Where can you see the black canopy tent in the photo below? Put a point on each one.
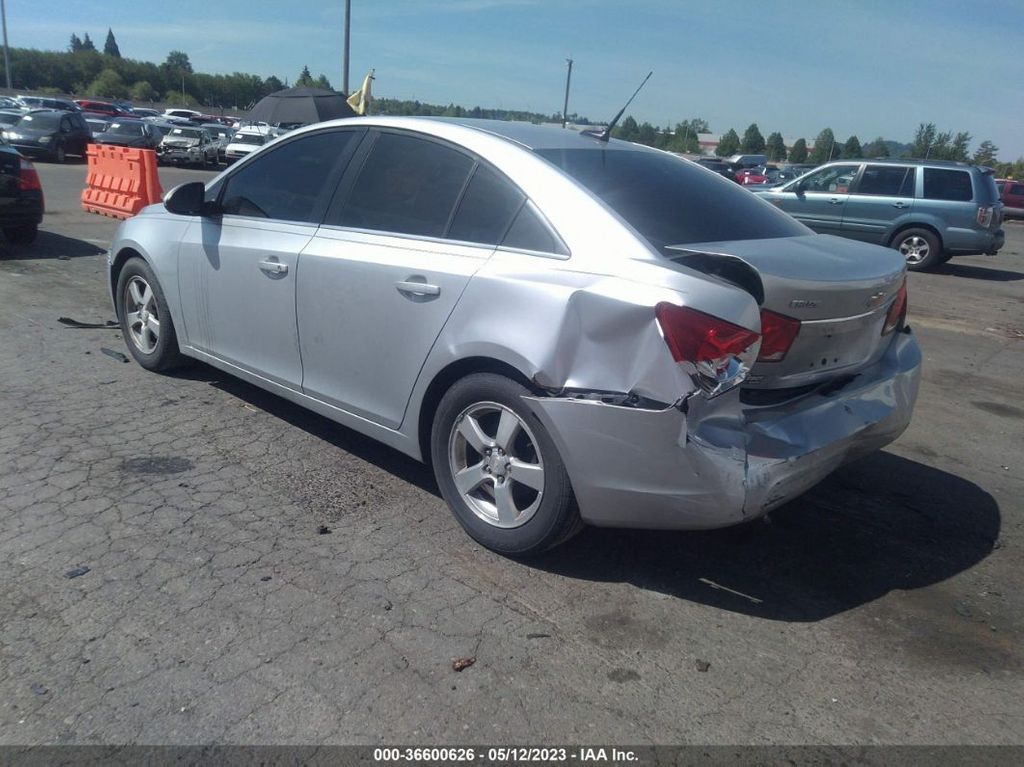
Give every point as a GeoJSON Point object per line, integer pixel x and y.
{"type": "Point", "coordinates": [301, 105]}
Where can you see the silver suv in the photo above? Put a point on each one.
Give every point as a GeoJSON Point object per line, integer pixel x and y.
{"type": "Point", "coordinates": [928, 210]}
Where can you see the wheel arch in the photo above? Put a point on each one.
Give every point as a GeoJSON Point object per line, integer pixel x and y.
{"type": "Point", "coordinates": [117, 264]}
{"type": "Point", "coordinates": [445, 378]}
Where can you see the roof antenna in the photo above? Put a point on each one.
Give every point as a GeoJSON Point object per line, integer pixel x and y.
{"type": "Point", "coordinates": [607, 132]}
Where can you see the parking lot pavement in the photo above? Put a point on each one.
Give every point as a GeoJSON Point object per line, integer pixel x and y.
{"type": "Point", "coordinates": [186, 559]}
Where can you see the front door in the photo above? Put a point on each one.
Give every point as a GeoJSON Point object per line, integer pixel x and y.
{"type": "Point", "coordinates": [821, 197]}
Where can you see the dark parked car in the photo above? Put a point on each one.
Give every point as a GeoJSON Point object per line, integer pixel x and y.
{"type": "Point", "coordinates": [21, 196]}
{"type": "Point", "coordinates": [133, 133]}
{"type": "Point", "coordinates": [10, 116]}
{"type": "Point", "coordinates": [718, 166]}
{"type": "Point", "coordinates": [1012, 194]}
{"type": "Point", "coordinates": [50, 134]}
{"type": "Point", "coordinates": [929, 210]}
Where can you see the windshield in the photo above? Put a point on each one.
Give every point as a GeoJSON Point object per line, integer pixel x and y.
{"type": "Point", "coordinates": [127, 129]}
{"type": "Point", "coordinates": [670, 201]}
{"type": "Point", "coordinates": [248, 138]}
{"type": "Point", "coordinates": [40, 122]}
{"type": "Point", "coordinates": [186, 133]}
{"type": "Point", "coordinates": [9, 119]}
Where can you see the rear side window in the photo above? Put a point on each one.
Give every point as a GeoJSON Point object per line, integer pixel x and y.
{"type": "Point", "coordinates": [407, 185]}
{"type": "Point", "coordinates": [887, 180]}
{"type": "Point", "coordinates": [529, 232]}
{"type": "Point", "coordinates": [942, 184]}
{"type": "Point", "coordinates": [288, 183]}
{"type": "Point", "coordinates": [1017, 189]}
{"type": "Point", "coordinates": [487, 208]}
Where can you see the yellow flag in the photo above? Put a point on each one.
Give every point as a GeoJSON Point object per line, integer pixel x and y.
{"type": "Point", "coordinates": [360, 100]}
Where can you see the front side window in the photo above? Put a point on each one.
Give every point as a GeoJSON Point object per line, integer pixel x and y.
{"type": "Point", "coordinates": [835, 179]}
{"type": "Point", "coordinates": [889, 180]}
{"type": "Point", "coordinates": [942, 184]}
{"type": "Point", "coordinates": [288, 183]}
{"type": "Point", "coordinates": [407, 185]}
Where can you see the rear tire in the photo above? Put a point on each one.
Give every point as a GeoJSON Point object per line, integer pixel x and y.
{"type": "Point", "coordinates": [499, 469]}
{"type": "Point", "coordinates": [60, 154]}
{"type": "Point", "coordinates": [21, 235]}
{"type": "Point", "coordinates": [920, 247]}
{"type": "Point", "coordinates": [145, 319]}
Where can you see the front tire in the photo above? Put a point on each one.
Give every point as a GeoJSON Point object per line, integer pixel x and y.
{"type": "Point", "coordinates": [145, 319]}
{"type": "Point", "coordinates": [499, 469]}
{"type": "Point", "coordinates": [920, 247]}
{"type": "Point", "coordinates": [60, 154]}
{"type": "Point", "coordinates": [21, 235]}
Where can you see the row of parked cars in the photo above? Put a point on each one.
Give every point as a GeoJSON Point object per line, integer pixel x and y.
{"type": "Point", "coordinates": [53, 129]}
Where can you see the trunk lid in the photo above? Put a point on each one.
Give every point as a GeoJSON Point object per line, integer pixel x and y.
{"type": "Point", "coordinates": [839, 290]}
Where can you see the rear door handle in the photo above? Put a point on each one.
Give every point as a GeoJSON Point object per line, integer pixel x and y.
{"type": "Point", "coordinates": [273, 267]}
{"type": "Point", "coordinates": [418, 288]}
{"type": "Point", "coordinates": [900, 205]}
{"type": "Point", "coordinates": [835, 201]}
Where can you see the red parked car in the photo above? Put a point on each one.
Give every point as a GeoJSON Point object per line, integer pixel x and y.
{"type": "Point", "coordinates": [104, 108]}
{"type": "Point", "coordinates": [1012, 194]}
{"type": "Point", "coordinates": [748, 176]}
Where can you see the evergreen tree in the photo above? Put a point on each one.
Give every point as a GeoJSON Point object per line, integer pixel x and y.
{"type": "Point", "coordinates": [877, 148]}
{"type": "Point", "coordinates": [76, 43]}
{"type": "Point", "coordinates": [986, 153]}
{"type": "Point", "coordinates": [775, 147]}
{"type": "Point", "coordinates": [729, 144]}
{"type": "Point", "coordinates": [824, 147]}
{"type": "Point", "coordinates": [753, 141]}
{"type": "Point", "coordinates": [87, 43]}
{"type": "Point", "coordinates": [323, 82]}
{"type": "Point", "coordinates": [924, 139]}
{"type": "Point", "coordinates": [798, 152]}
{"type": "Point", "coordinates": [110, 46]}
{"type": "Point", "coordinates": [852, 149]}
{"type": "Point", "coordinates": [305, 79]}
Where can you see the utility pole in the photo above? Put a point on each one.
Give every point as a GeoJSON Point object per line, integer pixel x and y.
{"type": "Point", "coordinates": [565, 107]}
{"type": "Point", "coordinates": [7, 56]}
{"type": "Point", "coordinates": [344, 77]}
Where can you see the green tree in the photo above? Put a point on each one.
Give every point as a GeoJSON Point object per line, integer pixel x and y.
{"type": "Point", "coordinates": [76, 43]}
{"type": "Point", "coordinates": [798, 152]}
{"type": "Point", "coordinates": [729, 144]}
{"type": "Point", "coordinates": [684, 139]}
{"type": "Point", "coordinates": [272, 85]}
{"type": "Point", "coordinates": [323, 82]}
{"type": "Point", "coordinates": [143, 91]}
{"type": "Point", "coordinates": [877, 148]}
{"type": "Point", "coordinates": [305, 79]}
{"type": "Point", "coordinates": [177, 63]}
{"type": "Point", "coordinates": [87, 43]}
{"type": "Point", "coordinates": [775, 147]}
{"type": "Point", "coordinates": [627, 130]}
{"type": "Point", "coordinates": [753, 141]}
{"type": "Point", "coordinates": [986, 153]}
{"type": "Point", "coordinates": [958, 149]}
{"type": "Point", "coordinates": [924, 138]}
{"type": "Point", "coordinates": [110, 46]}
{"type": "Point", "coordinates": [824, 147]}
{"type": "Point", "coordinates": [852, 149]}
{"type": "Point", "coordinates": [108, 84]}
{"type": "Point", "coordinates": [174, 96]}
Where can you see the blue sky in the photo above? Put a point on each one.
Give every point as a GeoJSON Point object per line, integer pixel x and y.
{"type": "Point", "coordinates": [864, 67]}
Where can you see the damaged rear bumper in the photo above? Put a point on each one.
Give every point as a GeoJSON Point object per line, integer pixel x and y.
{"type": "Point", "coordinates": [721, 464]}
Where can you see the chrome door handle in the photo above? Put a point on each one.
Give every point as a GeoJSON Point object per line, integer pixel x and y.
{"type": "Point", "coordinates": [835, 201]}
{"type": "Point", "coordinates": [418, 288]}
{"type": "Point", "coordinates": [274, 267]}
{"type": "Point", "coordinates": [900, 205]}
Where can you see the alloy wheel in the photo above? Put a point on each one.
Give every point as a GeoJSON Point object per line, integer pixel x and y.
{"type": "Point", "coordinates": [142, 315]}
{"type": "Point", "coordinates": [915, 249]}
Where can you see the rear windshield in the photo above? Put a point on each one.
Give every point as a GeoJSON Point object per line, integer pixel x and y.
{"type": "Point", "coordinates": [40, 122]}
{"type": "Point", "coordinates": [670, 201]}
{"type": "Point", "coordinates": [127, 129]}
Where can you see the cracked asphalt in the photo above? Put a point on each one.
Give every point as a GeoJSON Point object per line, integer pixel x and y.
{"type": "Point", "coordinates": [186, 559]}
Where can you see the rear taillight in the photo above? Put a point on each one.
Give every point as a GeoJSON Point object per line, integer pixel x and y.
{"type": "Point", "coordinates": [778, 333]}
{"type": "Point", "coordinates": [28, 179]}
{"type": "Point", "coordinates": [897, 311]}
{"type": "Point", "coordinates": [694, 336]}
{"type": "Point", "coordinates": [985, 215]}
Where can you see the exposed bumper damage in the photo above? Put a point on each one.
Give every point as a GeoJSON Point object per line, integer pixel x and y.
{"type": "Point", "coordinates": [714, 463]}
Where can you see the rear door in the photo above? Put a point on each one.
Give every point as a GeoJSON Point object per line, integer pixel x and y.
{"type": "Point", "coordinates": [883, 194]}
{"type": "Point", "coordinates": [822, 197]}
{"type": "Point", "coordinates": [409, 226]}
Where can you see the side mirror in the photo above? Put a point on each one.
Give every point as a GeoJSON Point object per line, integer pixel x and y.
{"type": "Point", "coordinates": [189, 200]}
{"type": "Point", "coordinates": [800, 187]}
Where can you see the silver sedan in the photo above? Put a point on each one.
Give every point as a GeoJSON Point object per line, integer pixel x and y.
{"type": "Point", "coordinates": [571, 330]}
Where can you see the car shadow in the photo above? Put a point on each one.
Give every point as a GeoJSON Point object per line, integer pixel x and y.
{"type": "Point", "coordinates": [979, 272]}
{"type": "Point", "coordinates": [880, 524]}
{"type": "Point", "coordinates": [49, 245]}
{"type": "Point", "coordinates": [367, 449]}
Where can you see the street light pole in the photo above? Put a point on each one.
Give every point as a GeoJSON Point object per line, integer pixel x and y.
{"type": "Point", "coordinates": [344, 78]}
{"type": "Point", "coordinates": [565, 107]}
{"type": "Point", "coordinates": [7, 56]}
